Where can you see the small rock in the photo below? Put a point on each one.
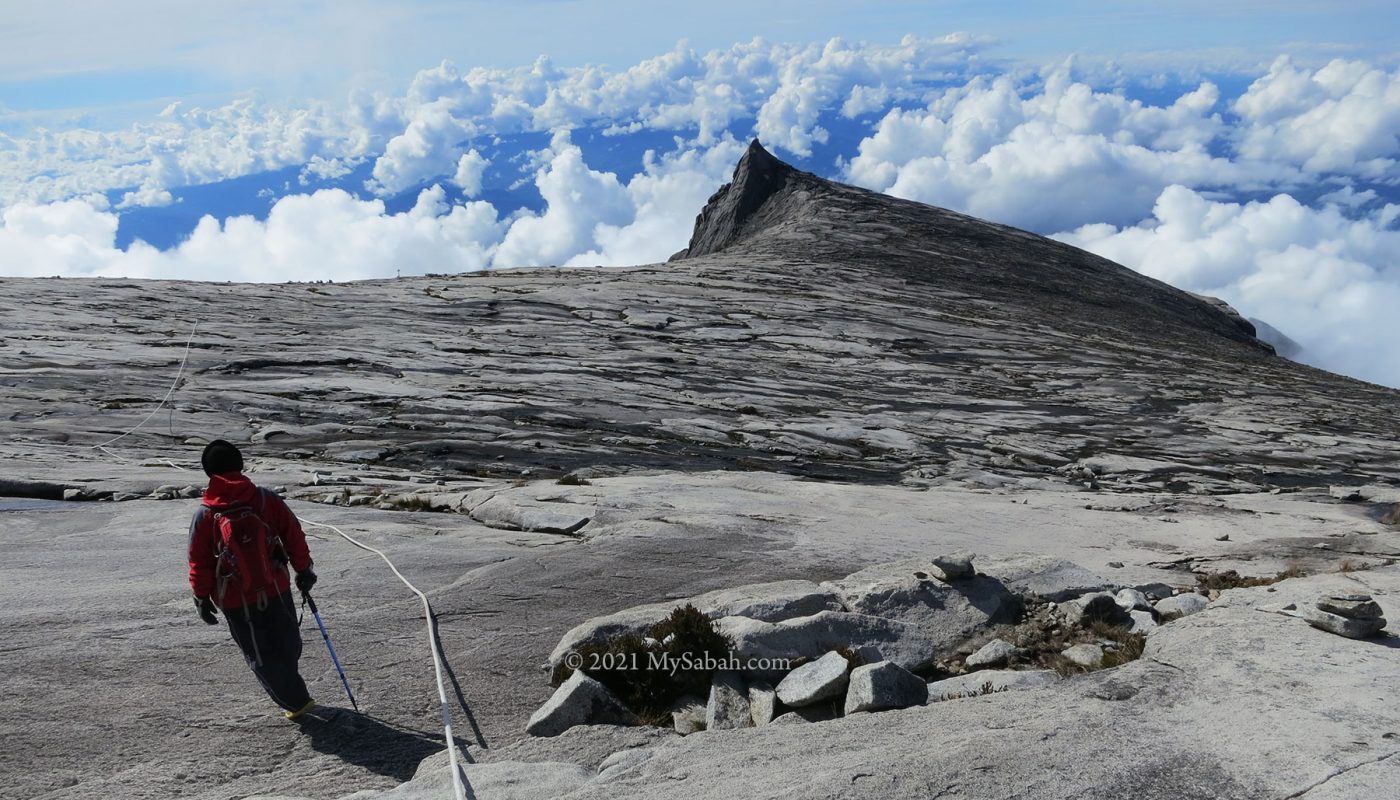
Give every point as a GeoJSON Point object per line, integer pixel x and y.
{"type": "Point", "coordinates": [75, 494]}
{"type": "Point", "coordinates": [1155, 591]}
{"type": "Point", "coordinates": [995, 653]}
{"type": "Point", "coordinates": [1115, 565]}
{"type": "Point", "coordinates": [191, 492]}
{"type": "Point", "coordinates": [121, 497]}
{"type": "Point", "coordinates": [729, 703]}
{"type": "Point", "coordinates": [882, 686]}
{"type": "Point", "coordinates": [579, 700]}
{"type": "Point", "coordinates": [1351, 606]}
{"type": "Point", "coordinates": [688, 715]}
{"type": "Point", "coordinates": [1183, 604]}
{"type": "Point", "coordinates": [763, 701]}
{"type": "Point", "coordinates": [1100, 606]}
{"type": "Point", "coordinates": [1350, 628]}
{"type": "Point", "coordinates": [1143, 621]}
{"type": "Point", "coordinates": [1089, 656]}
{"type": "Point", "coordinates": [1129, 599]}
{"type": "Point", "coordinates": [1224, 537]}
{"type": "Point", "coordinates": [955, 567]}
{"type": "Point", "coordinates": [826, 677]}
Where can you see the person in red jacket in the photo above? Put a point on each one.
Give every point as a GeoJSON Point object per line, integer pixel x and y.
{"type": "Point", "coordinates": [241, 540]}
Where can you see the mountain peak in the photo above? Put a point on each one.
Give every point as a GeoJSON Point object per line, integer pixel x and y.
{"type": "Point", "coordinates": [727, 215]}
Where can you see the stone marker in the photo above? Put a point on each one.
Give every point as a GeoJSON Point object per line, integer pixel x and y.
{"type": "Point", "coordinates": [882, 686]}
{"type": "Point", "coordinates": [579, 700]}
{"type": "Point", "coordinates": [1355, 616]}
{"type": "Point", "coordinates": [821, 679]}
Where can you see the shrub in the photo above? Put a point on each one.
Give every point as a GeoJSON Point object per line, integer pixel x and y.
{"type": "Point", "coordinates": [1230, 579]}
{"type": "Point", "coordinates": [573, 480]}
{"type": "Point", "coordinates": [635, 667]}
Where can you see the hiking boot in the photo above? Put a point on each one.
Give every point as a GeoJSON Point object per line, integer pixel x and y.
{"type": "Point", "coordinates": [310, 704]}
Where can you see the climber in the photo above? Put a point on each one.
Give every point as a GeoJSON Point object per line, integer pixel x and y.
{"type": "Point", "coordinates": [241, 541]}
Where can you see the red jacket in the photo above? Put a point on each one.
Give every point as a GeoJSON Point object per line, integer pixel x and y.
{"type": "Point", "coordinates": [234, 489]}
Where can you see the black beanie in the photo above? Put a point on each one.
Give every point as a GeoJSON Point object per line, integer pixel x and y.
{"type": "Point", "coordinates": [220, 457]}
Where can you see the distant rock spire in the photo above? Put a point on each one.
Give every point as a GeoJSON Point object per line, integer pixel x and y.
{"type": "Point", "coordinates": [758, 177]}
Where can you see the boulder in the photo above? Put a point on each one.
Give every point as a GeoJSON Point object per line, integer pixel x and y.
{"type": "Point", "coordinates": [763, 701]}
{"type": "Point", "coordinates": [729, 703]}
{"type": "Point", "coordinates": [815, 681]}
{"type": "Point", "coordinates": [996, 653]}
{"type": "Point", "coordinates": [1342, 626]}
{"type": "Point", "coordinates": [1051, 578]}
{"type": "Point", "coordinates": [1155, 591]}
{"type": "Point", "coordinates": [1143, 621]}
{"type": "Point", "coordinates": [501, 511]}
{"type": "Point", "coordinates": [997, 680]}
{"type": "Point", "coordinates": [688, 715]}
{"type": "Point", "coordinates": [1132, 599]}
{"type": "Point", "coordinates": [873, 638]}
{"type": "Point", "coordinates": [580, 700]}
{"type": "Point", "coordinates": [1351, 606]}
{"type": "Point", "coordinates": [1088, 656]}
{"type": "Point", "coordinates": [882, 686]}
{"type": "Point", "coordinates": [1183, 604]}
{"type": "Point", "coordinates": [955, 567]}
{"type": "Point", "coordinates": [911, 591]}
{"type": "Point", "coordinates": [770, 602]}
{"type": "Point", "coordinates": [1096, 607]}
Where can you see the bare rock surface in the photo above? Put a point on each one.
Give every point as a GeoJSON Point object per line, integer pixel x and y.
{"type": "Point", "coordinates": [737, 416]}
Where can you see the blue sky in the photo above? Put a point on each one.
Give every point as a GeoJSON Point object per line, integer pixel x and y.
{"type": "Point", "coordinates": [1246, 150]}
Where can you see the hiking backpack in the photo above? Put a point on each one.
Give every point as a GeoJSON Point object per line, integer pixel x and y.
{"type": "Point", "coordinates": [248, 554]}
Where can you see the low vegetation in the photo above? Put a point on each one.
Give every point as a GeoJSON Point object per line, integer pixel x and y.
{"type": "Point", "coordinates": [1230, 579]}
{"type": "Point", "coordinates": [635, 667]}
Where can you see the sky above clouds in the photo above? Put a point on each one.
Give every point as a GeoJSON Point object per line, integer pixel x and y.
{"type": "Point", "coordinates": [1246, 150]}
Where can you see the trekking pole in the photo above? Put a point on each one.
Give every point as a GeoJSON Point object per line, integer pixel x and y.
{"type": "Point", "coordinates": [327, 639]}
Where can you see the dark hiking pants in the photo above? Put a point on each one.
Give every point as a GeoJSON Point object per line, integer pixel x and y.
{"type": "Point", "coordinates": [271, 643]}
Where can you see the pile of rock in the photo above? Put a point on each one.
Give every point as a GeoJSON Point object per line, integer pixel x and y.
{"type": "Point", "coordinates": [855, 644]}
{"type": "Point", "coordinates": [1355, 616]}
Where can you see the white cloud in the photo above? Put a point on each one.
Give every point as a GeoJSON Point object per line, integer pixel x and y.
{"type": "Point", "coordinates": [470, 169]}
{"type": "Point", "coordinates": [666, 196]}
{"type": "Point", "coordinates": [1329, 282]}
{"type": "Point", "coordinates": [1344, 117]}
{"type": "Point", "coordinates": [429, 147]}
{"type": "Point", "coordinates": [577, 200]}
{"type": "Point", "coordinates": [325, 235]}
{"type": "Point", "coordinates": [1046, 159]}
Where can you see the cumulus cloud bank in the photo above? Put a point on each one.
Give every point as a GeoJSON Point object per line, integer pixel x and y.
{"type": "Point", "coordinates": [1275, 199]}
{"type": "Point", "coordinates": [1329, 282]}
{"type": "Point", "coordinates": [590, 218]}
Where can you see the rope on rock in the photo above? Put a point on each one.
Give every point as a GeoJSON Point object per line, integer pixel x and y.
{"type": "Point", "coordinates": [434, 644]}
{"type": "Point", "coordinates": [174, 384]}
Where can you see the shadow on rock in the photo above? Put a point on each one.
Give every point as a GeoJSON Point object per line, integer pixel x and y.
{"type": "Point", "coordinates": [372, 744]}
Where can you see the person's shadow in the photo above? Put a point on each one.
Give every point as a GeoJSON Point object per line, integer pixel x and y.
{"type": "Point", "coordinates": [372, 744]}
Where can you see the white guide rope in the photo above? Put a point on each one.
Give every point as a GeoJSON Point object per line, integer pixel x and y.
{"type": "Point", "coordinates": [173, 386]}
{"type": "Point", "coordinates": [434, 644]}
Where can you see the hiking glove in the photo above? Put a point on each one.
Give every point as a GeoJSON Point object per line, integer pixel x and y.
{"type": "Point", "coordinates": [206, 610]}
{"type": "Point", "coordinates": [305, 580]}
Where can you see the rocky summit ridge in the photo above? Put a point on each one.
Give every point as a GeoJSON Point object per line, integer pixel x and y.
{"type": "Point", "coordinates": [810, 329]}
{"type": "Point", "coordinates": [795, 423]}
